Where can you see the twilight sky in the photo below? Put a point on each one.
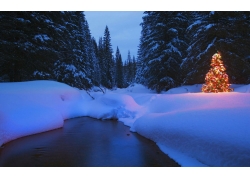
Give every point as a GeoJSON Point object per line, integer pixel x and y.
{"type": "Point", "coordinates": [124, 28]}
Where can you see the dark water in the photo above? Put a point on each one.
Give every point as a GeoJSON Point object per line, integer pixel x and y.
{"type": "Point", "coordinates": [84, 142]}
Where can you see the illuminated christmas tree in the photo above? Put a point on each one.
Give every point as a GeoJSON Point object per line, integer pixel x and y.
{"type": "Point", "coordinates": [216, 79]}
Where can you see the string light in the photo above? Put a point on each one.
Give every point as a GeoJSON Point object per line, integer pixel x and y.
{"type": "Point", "coordinates": [216, 79]}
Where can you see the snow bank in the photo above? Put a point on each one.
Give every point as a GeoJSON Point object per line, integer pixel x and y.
{"type": "Point", "coordinates": [185, 89]}
{"type": "Point", "coordinates": [32, 107]}
{"type": "Point", "coordinates": [112, 106]}
{"type": "Point", "coordinates": [242, 88]}
{"type": "Point", "coordinates": [194, 128]}
{"type": "Point", "coordinates": [211, 128]}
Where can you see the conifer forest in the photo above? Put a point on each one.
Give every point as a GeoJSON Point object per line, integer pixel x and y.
{"type": "Point", "coordinates": [175, 49]}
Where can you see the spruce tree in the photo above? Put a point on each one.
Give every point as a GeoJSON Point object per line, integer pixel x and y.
{"type": "Point", "coordinates": [74, 66]}
{"type": "Point", "coordinates": [119, 69]}
{"type": "Point", "coordinates": [96, 64]}
{"type": "Point", "coordinates": [46, 45]}
{"type": "Point", "coordinates": [108, 61]}
{"type": "Point", "coordinates": [48, 39]}
{"type": "Point", "coordinates": [14, 45]}
{"type": "Point", "coordinates": [210, 31]}
{"type": "Point", "coordinates": [101, 61]}
{"type": "Point", "coordinates": [162, 48]}
{"type": "Point", "coordinates": [216, 79]}
{"type": "Point", "coordinates": [29, 44]}
{"type": "Point", "coordinates": [129, 70]}
{"type": "Point", "coordinates": [133, 69]}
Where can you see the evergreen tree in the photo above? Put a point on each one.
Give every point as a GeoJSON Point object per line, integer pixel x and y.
{"type": "Point", "coordinates": [125, 74]}
{"type": "Point", "coordinates": [113, 71]}
{"type": "Point", "coordinates": [101, 61]}
{"type": "Point", "coordinates": [74, 67]}
{"type": "Point", "coordinates": [46, 45]}
{"type": "Point", "coordinates": [13, 45]}
{"type": "Point", "coordinates": [108, 61]}
{"type": "Point", "coordinates": [210, 31]}
{"type": "Point", "coordinates": [26, 45]}
{"type": "Point", "coordinates": [128, 71]}
{"type": "Point", "coordinates": [88, 46]}
{"type": "Point", "coordinates": [175, 48]}
{"type": "Point", "coordinates": [96, 64]}
{"type": "Point", "coordinates": [161, 50]}
{"type": "Point", "coordinates": [216, 79]}
{"type": "Point", "coordinates": [133, 68]}
{"type": "Point", "coordinates": [119, 69]}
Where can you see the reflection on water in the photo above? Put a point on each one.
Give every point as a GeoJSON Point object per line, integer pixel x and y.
{"type": "Point", "coordinates": [84, 142]}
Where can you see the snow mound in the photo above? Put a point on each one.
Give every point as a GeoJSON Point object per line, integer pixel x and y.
{"type": "Point", "coordinates": [185, 89]}
{"type": "Point", "coordinates": [211, 128]}
{"type": "Point", "coordinates": [112, 106]}
{"type": "Point", "coordinates": [139, 88]}
{"type": "Point", "coordinates": [242, 89]}
{"type": "Point", "coordinates": [32, 107]}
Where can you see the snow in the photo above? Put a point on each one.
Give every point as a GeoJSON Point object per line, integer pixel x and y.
{"type": "Point", "coordinates": [193, 128]}
{"type": "Point", "coordinates": [42, 37]}
{"type": "Point", "coordinates": [208, 26]}
{"type": "Point", "coordinates": [70, 67]}
{"type": "Point", "coordinates": [212, 128]}
{"type": "Point", "coordinates": [194, 24]}
{"type": "Point", "coordinates": [32, 107]}
{"type": "Point", "coordinates": [23, 20]}
{"type": "Point", "coordinates": [172, 48]}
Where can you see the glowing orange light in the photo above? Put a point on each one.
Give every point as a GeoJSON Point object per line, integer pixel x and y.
{"type": "Point", "coordinates": [216, 79]}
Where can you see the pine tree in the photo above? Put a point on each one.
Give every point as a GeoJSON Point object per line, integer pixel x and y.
{"type": "Point", "coordinates": [96, 64]}
{"type": "Point", "coordinates": [133, 69]}
{"type": "Point", "coordinates": [29, 44]}
{"type": "Point", "coordinates": [14, 45]}
{"type": "Point", "coordinates": [119, 69]}
{"type": "Point", "coordinates": [88, 48]}
{"type": "Point", "coordinates": [129, 70]}
{"type": "Point", "coordinates": [74, 67]}
{"type": "Point", "coordinates": [216, 79]}
{"type": "Point", "coordinates": [101, 61]}
{"type": "Point", "coordinates": [210, 31]}
{"type": "Point", "coordinates": [162, 48]}
{"type": "Point", "coordinates": [48, 38]}
{"type": "Point", "coordinates": [108, 62]}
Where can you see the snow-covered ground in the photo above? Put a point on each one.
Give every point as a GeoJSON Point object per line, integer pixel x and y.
{"type": "Point", "coordinates": [193, 128]}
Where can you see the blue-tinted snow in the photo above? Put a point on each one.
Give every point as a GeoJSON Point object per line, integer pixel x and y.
{"type": "Point", "coordinates": [42, 37]}
{"type": "Point", "coordinates": [195, 129]}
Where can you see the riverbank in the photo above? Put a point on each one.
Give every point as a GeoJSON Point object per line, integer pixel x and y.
{"type": "Point", "coordinates": [85, 142]}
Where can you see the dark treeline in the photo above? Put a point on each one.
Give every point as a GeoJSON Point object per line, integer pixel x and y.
{"type": "Point", "coordinates": [59, 46]}
{"type": "Point", "coordinates": [175, 49]}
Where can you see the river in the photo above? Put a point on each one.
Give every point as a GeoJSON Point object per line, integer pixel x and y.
{"type": "Point", "coordinates": [84, 142]}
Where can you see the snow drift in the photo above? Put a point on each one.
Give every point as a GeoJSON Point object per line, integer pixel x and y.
{"type": "Point", "coordinates": [212, 128]}
{"type": "Point", "coordinates": [31, 107]}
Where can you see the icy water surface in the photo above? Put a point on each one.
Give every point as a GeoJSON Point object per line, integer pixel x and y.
{"type": "Point", "coordinates": [84, 142]}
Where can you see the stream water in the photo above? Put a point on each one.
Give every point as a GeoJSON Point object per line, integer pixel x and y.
{"type": "Point", "coordinates": [84, 142]}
